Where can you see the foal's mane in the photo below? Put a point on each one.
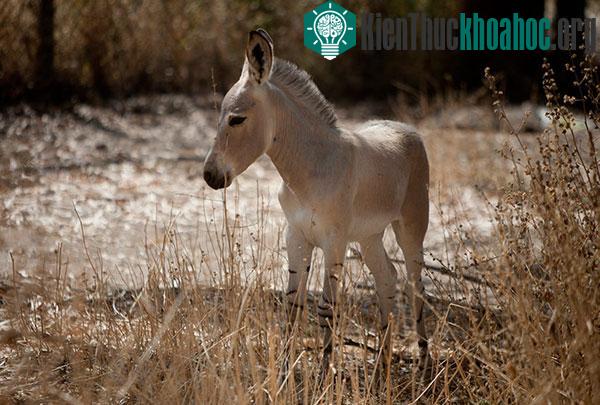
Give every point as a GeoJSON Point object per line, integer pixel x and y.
{"type": "Point", "coordinates": [299, 84]}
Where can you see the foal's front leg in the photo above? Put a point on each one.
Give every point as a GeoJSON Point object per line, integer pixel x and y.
{"type": "Point", "coordinates": [299, 256]}
{"type": "Point", "coordinates": [299, 252]}
{"type": "Point", "coordinates": [334, 264]}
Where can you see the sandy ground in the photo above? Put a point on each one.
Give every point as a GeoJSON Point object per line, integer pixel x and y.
{"type": "Point", "coordinates": [128, 171]}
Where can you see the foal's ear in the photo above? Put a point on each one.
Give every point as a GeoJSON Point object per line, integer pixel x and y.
{"type": "Point", "coordinates": [259, 55]}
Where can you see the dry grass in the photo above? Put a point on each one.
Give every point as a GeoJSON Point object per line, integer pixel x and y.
{"type": "Point", "coordinates": [531, 335]}
{"type": "Point", "coordinates": [116, 48]}
{"type": "Point", "coordinates": [120, 48]}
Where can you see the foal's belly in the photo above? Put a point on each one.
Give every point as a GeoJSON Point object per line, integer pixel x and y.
{"type": "Point", "coordinates": [363, 227]}
{"type": "Point", "coordinates": [318, 231]}
{"type": "Point", "coordinates": [349, 224]}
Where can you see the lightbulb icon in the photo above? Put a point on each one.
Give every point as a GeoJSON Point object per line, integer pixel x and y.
{"type": "Point", "coordinates": [330, 27]}
{"type": "Point", "coordinates": [329, 30]}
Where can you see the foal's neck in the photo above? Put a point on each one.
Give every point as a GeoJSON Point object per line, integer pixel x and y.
{"type": "Point", "coordinates": [302, 145]}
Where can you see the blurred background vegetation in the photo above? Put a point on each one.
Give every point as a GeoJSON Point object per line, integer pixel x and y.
{"type": "Point", "coordinates": [60, 50]}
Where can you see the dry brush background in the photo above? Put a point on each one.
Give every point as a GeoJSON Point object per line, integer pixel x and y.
{"type": "Point", "coordinates": [125, 279]}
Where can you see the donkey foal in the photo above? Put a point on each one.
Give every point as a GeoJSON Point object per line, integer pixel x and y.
{"type": "Point", "coordinates": [338, 186]}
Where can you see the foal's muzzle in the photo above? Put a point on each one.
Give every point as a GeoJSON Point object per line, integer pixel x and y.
{"type": "Point", "coordinates": [215, 179]}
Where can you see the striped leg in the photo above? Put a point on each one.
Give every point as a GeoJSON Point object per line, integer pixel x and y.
{"type": "Point", "coordinates": [385, 276]}
{"type": "Point", "coordinates": [410, 239]}
{"type": "Point", "coordinates": [334, 264]}
{"type": "Point", "coordinates": [299, 257]}
{"type": "Point", "coordinates": [416, 294]}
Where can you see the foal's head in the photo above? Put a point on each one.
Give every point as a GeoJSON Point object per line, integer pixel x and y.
{"type": "Point", "coordinates": [245, 125]}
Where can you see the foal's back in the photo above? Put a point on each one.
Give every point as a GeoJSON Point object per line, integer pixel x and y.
{"type": "Point", "coordinates": [390, 163]}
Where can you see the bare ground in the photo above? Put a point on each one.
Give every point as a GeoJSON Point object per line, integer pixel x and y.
{"type": "Point", "coordinates": [120, 174]}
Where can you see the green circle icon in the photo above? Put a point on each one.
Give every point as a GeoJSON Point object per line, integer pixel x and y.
{"type": "Point", "coordinates": [329, 30]}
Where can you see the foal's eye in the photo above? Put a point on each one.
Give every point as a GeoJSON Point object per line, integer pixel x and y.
{"type": "Point", "coordinates": [236, 120]}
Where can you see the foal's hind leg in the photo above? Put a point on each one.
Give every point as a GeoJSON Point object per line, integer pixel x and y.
{"type": "Point", "coordinates": [410, 232]}
{"type": "Point", "coordinates": [385, 276]}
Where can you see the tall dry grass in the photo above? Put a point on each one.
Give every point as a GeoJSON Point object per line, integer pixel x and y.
{"type": "Point", "coordinates": [118, 48]}
{"type": "Point", "coordinates": [549, 230]}
{"type": "Point", "coordinates": [209, 327]}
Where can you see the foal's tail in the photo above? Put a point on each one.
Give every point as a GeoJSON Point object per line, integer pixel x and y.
{"type": "Point", "coordinates": [415, 209]}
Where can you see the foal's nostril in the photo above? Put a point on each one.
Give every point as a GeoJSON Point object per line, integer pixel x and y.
{"type": "Point", "coordinates": [214, 180]}
{"type": "Point", "coordinates": [208, 177]}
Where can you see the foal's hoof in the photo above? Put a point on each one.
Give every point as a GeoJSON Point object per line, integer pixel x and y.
{"type": "Point", "coordinates": [425, 365]}
{"type": "Point", "coordinates": [382, 375]}
{"type": "Point", "coordinates": [326, 371]}
{"type": "Point", "coordinates": [282, 378]}
{"type": "Point", "coordinates": [425, 362]}
{"type": "Point", "coordinates": [423, 350]}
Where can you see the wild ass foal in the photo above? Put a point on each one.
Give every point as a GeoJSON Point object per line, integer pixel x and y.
{"type": "Point", "coordinates": [338, 186]}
